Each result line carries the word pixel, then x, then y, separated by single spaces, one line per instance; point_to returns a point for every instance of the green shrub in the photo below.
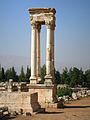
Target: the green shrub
pixel 64 91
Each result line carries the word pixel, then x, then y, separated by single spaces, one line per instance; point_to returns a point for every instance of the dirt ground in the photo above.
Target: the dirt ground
pixel 75 110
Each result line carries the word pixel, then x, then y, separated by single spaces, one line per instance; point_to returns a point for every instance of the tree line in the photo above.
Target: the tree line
pixel 12 74
pixel 73 77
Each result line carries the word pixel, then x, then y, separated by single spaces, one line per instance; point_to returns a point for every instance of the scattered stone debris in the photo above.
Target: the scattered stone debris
pixel 4 111
pixel 13 113
pixel 28 114
pixel 60 103
pixel 74 96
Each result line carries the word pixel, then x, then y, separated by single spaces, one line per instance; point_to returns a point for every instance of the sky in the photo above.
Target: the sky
pixel 72 33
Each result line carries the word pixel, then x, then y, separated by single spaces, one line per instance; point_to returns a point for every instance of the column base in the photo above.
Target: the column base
pixel 33 80
pixel 48 79
pixel 38 79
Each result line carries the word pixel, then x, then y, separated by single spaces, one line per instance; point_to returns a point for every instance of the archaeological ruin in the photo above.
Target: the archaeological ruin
pixel 38 17
pixel 28 98
pixel 22 97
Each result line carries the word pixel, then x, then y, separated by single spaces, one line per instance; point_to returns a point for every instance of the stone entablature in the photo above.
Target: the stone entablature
pixel 42 10
pixel 43 16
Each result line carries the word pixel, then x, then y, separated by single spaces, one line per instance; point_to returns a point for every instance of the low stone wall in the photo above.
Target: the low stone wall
pixel 22 97
pixel 21 102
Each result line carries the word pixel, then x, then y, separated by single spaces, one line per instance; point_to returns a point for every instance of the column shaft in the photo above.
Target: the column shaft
pixel 53 65
pixel 38 53
pixel 48 52
pixel 33 54
pixel 48 77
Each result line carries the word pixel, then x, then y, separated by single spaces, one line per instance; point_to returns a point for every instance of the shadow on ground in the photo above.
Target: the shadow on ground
pixel 76 106
pixel 6 118
pixel 50 112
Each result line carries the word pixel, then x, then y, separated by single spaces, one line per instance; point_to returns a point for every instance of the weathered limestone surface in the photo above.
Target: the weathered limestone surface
pixel 38 53
pixel 49 77
pixel 19 101
pixel 42 15
pixel 46 94
pixel 33 53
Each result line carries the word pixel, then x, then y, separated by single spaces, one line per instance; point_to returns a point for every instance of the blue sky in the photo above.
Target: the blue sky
pixel 72 34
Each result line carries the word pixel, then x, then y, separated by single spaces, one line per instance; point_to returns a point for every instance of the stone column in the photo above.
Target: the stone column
pixel 33 78
pixel 53 65
pixel 38 52
pixel 48 77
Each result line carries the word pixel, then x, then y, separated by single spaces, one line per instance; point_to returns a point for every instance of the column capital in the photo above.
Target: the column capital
pixel 50 25
pixel 35 25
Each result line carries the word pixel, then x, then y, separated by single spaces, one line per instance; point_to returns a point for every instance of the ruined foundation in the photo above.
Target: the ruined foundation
pixel 19 102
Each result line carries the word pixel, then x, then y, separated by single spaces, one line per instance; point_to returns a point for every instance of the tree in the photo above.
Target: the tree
pixel 28 74
pixel 11 74
pixel 65 77
pixel 8 74
pixel 0 67
pixel 57 77
pixel 81 77
pixel 14 75
pixel 87 80
pixel 74 77
pixel 22 77
pixel 43 73
pixel 2 74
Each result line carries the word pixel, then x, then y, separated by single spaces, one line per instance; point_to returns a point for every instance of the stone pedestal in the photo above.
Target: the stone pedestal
pixel 46 93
